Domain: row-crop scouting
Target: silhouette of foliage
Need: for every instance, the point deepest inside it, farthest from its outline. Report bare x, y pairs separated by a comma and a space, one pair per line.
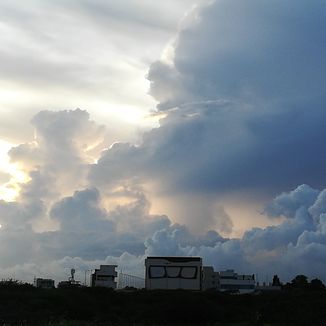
11, 283
22, 305
317, 284
276, 281
300, 282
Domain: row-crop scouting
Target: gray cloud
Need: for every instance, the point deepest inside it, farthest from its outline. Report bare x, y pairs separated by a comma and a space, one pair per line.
288, 203
270, 67
244, 103
89, 234
295, 246
273, 52
319, 207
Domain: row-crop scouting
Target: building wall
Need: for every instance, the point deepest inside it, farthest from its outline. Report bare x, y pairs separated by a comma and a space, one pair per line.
171, 273
210, 278
105, 276
231, 281
44, 283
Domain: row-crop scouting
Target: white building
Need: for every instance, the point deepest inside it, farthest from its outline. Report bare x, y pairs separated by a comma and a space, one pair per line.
105, 276
171, 273
229, 280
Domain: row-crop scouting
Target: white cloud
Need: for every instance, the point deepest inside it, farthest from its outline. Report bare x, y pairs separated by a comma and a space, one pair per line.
91, 54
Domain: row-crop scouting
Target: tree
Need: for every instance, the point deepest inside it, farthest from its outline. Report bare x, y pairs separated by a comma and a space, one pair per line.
316, 284
300, 282
276, 281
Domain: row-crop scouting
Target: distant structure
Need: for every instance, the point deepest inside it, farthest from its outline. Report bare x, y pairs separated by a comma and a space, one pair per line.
171, 273
71, 283
105, 276
130, 281
44, 283
229, 280
267, 287
210, 278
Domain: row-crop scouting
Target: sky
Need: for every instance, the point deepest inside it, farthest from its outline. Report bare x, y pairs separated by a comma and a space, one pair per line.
187, 127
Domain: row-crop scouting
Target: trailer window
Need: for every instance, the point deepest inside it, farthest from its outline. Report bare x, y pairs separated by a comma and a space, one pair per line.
173, 271
189, 272
156, 272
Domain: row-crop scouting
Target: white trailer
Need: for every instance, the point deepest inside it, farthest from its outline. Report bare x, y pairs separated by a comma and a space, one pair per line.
172, 273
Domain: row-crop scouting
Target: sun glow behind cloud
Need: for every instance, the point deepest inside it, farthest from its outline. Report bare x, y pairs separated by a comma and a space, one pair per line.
9, 190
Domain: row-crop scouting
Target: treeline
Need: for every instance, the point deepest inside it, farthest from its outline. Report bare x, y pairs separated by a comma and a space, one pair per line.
299, 282
299, 303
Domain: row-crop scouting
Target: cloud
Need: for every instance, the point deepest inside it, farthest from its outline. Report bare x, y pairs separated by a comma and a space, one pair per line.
4, 177
243, 112
47, 64
272, 52
295, 246
287, 204
319, 207
266, 68
81, 212
243, 103
88, 233
57, 160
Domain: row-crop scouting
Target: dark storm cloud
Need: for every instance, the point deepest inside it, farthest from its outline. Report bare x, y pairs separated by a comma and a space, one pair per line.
244, 99
253, 50
245, 109
268, 58
218, 149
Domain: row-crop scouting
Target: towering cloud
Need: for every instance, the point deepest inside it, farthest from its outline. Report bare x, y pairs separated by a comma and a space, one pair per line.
244, 102
246, 86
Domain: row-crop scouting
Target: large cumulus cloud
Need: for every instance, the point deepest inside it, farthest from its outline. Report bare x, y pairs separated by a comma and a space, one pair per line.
243, 98
88, 231
243, 112
295, 246
253, 50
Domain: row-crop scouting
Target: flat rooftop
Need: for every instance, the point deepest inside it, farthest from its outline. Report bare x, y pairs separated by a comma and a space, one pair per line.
176, 259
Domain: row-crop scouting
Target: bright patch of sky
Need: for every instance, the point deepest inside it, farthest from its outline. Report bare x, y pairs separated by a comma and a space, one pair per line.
89, 54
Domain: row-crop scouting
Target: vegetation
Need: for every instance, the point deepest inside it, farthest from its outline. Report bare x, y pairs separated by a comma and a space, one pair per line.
300, 303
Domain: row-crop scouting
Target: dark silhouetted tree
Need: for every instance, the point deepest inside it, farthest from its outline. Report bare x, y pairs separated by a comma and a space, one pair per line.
276, 281
300, 282
316, 284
